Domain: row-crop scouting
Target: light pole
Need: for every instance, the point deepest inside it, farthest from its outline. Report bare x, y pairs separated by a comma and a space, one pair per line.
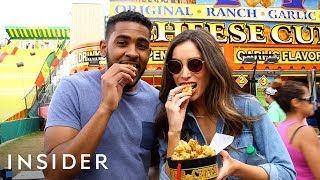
253, 58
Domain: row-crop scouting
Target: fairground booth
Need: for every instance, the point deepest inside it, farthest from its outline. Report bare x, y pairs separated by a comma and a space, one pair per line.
260, 40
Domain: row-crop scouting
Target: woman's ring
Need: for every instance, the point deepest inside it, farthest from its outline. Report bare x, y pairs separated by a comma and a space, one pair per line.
170, 97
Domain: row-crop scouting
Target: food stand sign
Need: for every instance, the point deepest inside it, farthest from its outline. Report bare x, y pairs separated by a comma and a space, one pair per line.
263, 81
242, 81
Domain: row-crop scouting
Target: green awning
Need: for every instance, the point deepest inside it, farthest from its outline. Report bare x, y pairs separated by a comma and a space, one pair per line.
38, 32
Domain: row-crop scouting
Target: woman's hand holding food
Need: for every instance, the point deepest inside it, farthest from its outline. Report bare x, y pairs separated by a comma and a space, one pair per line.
176, 106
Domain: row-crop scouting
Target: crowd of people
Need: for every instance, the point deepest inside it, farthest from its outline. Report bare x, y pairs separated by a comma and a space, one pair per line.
113, 112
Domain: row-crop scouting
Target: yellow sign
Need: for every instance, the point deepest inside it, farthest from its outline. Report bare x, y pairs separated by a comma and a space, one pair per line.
263, 81
241, 81
208, 12
293, 55
157, 55
239, 32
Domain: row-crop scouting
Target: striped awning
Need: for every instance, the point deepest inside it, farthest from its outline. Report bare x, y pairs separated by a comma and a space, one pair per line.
38, 32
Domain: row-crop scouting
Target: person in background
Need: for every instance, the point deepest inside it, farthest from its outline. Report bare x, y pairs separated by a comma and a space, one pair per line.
109, 112
276, 114
317, 113
301, 140
215, 105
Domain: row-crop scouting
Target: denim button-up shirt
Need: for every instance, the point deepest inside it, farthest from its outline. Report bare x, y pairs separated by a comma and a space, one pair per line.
262, 135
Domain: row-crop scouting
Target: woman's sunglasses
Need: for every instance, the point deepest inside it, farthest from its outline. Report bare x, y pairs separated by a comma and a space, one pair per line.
194, 64
308, 99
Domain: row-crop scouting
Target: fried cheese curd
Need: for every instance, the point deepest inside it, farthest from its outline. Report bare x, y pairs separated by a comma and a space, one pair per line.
187, 89
191, 150
133, 65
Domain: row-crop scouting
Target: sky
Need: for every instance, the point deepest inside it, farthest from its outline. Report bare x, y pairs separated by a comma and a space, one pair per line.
39, 13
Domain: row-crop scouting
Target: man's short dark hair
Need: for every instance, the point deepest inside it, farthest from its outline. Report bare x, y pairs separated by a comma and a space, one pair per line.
127, 16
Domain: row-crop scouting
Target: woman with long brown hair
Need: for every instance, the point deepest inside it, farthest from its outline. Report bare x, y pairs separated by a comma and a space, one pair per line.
215, 105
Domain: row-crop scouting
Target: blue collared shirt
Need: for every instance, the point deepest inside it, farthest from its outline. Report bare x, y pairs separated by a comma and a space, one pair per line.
262, 135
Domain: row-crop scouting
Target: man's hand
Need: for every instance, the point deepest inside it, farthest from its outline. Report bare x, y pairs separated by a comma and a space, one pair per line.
112, 83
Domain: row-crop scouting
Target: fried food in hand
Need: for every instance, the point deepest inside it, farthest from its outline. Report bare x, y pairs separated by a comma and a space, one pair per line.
187, 89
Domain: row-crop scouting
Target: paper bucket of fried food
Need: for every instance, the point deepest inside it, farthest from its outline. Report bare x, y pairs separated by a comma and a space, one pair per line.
197, 162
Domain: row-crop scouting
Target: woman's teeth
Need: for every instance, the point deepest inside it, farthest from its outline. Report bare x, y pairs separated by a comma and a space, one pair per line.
193, 85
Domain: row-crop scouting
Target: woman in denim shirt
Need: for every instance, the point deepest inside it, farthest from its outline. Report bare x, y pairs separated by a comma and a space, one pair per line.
215, 104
